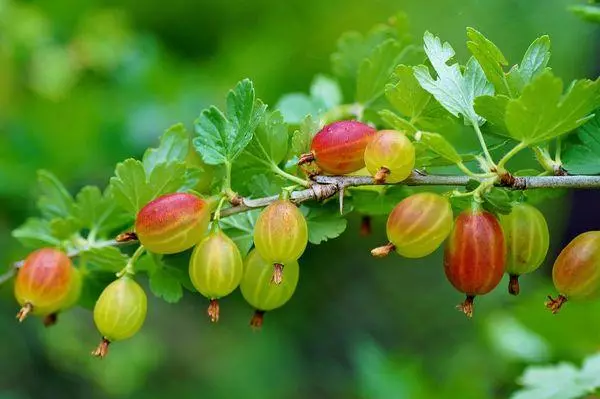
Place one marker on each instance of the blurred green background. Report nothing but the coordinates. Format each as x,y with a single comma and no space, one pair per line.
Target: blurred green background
84,84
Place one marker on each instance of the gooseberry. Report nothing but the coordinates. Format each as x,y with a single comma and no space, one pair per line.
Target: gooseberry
339,147
527,240
576,271
71,299
280,235
475,255
257,289
172,223
120,312
216,269
417,226
390,156
43,282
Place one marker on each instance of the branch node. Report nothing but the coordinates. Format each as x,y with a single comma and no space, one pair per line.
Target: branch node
126,237
324,191
381,175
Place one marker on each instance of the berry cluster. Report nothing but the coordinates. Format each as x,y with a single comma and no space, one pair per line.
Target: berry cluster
480,247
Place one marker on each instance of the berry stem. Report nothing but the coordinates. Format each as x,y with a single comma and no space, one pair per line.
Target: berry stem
384,250
513,284
50,319
128,269
467,306
486,152
213,310
102,350
24,311
257,319
277,274
381,175
554,305
365,226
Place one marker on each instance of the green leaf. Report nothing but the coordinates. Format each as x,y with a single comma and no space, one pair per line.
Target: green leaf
490,58
375,71
454,90
438,144
493,109
164,284
323,224
302,137
222,137
35,233
64,228
54,200
240,228
174,146
166,178
92,286
497,201
406,95
98,212
533,64
325,93
270,141
108,259
395,122
378,200
584,158
295,106
543,112
588,12
129,186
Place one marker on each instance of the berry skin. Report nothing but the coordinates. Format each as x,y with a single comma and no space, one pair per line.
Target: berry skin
390,156
172,223
339,147
475,256
418,225
43,283
258,290
120,312
576,271
527,240
280,235
71,299
216,269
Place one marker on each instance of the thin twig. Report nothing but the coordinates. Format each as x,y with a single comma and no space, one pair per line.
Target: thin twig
327,186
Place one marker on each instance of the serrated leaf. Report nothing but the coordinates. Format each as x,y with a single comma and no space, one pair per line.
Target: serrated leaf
129,186
164,284
92,286
379,200
270,141
323,224
302,137
490,58
439,145
543,112
54,200
173,147
240,228
584,158
108,259
166,178
221,138
493,109
98,212
454,90
533,64
64,228
497,201
35,233
550,382
375,71
295,106
395,122
406,95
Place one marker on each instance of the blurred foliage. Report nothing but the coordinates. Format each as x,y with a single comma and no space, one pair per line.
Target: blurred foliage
85,84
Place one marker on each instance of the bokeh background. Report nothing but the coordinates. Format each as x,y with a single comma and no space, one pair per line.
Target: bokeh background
84,84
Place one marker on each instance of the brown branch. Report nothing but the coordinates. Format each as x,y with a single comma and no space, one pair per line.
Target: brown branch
327,186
